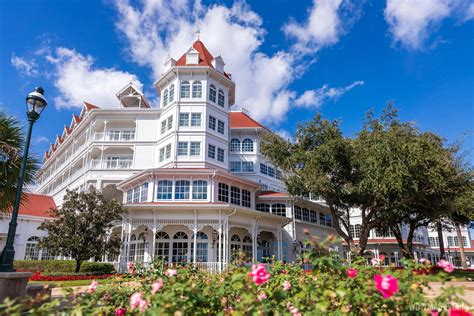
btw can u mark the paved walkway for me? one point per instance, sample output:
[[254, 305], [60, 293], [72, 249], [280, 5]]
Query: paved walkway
[[436, 287]]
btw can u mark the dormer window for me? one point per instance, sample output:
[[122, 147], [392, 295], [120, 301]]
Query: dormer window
[[192, 57], [212, 93], [218, 64], [197, 89], [165, 98], [185, 87]]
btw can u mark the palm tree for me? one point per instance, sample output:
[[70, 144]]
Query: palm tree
[[11, 149]]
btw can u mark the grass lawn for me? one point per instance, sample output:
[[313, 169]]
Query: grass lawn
[[78, 282]]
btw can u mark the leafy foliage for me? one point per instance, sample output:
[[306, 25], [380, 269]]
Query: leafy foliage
[[80, 227]]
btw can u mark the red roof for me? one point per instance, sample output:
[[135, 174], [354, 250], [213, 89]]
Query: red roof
[[273, 194], [37, 205], [90, 106], [242, 120], [76, 118], [205, 57], [53, 148], [60, 139], [68, 129]]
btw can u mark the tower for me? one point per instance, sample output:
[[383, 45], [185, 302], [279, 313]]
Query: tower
[[196, 97]]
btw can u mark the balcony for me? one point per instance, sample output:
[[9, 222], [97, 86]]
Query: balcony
[[116, 136], [111, 163]]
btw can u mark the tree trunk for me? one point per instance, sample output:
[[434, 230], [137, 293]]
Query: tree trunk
[[442, 252], [398, 235], [461, 246], [363, 239], [78, 265], [411, 234]]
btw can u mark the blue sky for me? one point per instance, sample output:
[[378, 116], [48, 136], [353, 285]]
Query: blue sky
[[290, 59]]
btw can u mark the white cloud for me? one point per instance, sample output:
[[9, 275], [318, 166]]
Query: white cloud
[[24, 66], [315, 98], [285, 135], [77, 80], [411, 22], [153, 32], [40, 139]]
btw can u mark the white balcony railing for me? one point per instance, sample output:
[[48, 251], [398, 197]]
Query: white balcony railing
[[115, 136], [111, 164]]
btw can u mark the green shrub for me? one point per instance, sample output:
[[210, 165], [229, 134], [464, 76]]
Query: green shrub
[[66, 266]]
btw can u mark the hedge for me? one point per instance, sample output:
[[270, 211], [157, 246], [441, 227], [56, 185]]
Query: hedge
[[67, 266]]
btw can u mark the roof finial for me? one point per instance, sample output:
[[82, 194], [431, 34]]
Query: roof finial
[[198, 34]]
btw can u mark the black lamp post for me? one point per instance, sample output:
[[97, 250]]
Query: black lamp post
[[35, 104]]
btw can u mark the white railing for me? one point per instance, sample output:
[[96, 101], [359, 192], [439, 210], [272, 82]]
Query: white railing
[[111, 164], [118, 136]]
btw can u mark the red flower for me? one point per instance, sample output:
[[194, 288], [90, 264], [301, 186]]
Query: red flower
[[351, 273], [387, 285], [458, 312], [259, 274]]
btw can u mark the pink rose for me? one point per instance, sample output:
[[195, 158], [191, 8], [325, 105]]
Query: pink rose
[[293, 310], [171, 272], [155, 287], [381, 257], [374, 261], [351, 273], [93, 286], [261, 296], [286, 285], [120, 311], [387, 285], [458, 312], [447, 266], [259, 274], [131, 267], [137, 301], [434, 312]]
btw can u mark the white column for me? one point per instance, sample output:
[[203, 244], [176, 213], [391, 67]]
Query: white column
[[153, 242], [219, 251], [279, 243], [396, 258], [195, 244]]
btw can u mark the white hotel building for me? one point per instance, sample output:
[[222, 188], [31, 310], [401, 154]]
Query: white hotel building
[[189, 172]]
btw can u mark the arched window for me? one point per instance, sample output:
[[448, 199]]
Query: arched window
[[162, 246], [185, 87], [165, 97], [199, 190], [212, 93], [131, 250], [171, 95], [140, 248], [182, 190], [247, 247], [32, 248], [234, 145], [235, 246], [221, 98], [263, 207], [247, 145], [197, 89], [180, 247], [201, 247], [164, 190], [279, 209]]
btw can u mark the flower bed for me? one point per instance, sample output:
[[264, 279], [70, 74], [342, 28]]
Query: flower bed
[[38, 277]]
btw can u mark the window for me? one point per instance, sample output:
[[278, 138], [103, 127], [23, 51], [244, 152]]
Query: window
[[247, 145], [164, 190], [263, 207], [357, 229], [129, 196], [197, 89], [162, 154], [182, 190], [298, 213], [235, 166], [328, 220], [221, 98], [211, 151], [171, 96], [185, 89], [183, 119], [322, 219], [32, 249], [180, 247], [434, 241], [165, 98], [170, 122], [136, 194], [131, 250], [212, 122], [464, 241], [163, 126], [247, 166], [168, 151], [45, 255], [263, 169], [199, 190], [220, 127], [195, 149], [223, 193], [246, 198], [201, 247], [212, 93], [182, 148], [271, 172], [234, 145], [220, 154], [140, 247], [162, 246], [195, 119], [278, 174], [234, 246], [144, 193], [279, 209], [313, 216], [452, 241], [305, 214], [235, 195]]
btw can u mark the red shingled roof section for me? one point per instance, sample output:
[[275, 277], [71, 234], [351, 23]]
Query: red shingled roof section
[[205, 57], [242, 120], [53, 148], [60, 139], [37, 205], [68, 129], [90, 106], [77, 119], [273, 194]]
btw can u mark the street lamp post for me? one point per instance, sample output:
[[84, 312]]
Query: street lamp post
[[35, 104]]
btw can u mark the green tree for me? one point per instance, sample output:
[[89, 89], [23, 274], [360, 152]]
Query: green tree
[[11, 149], [80, 228]]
